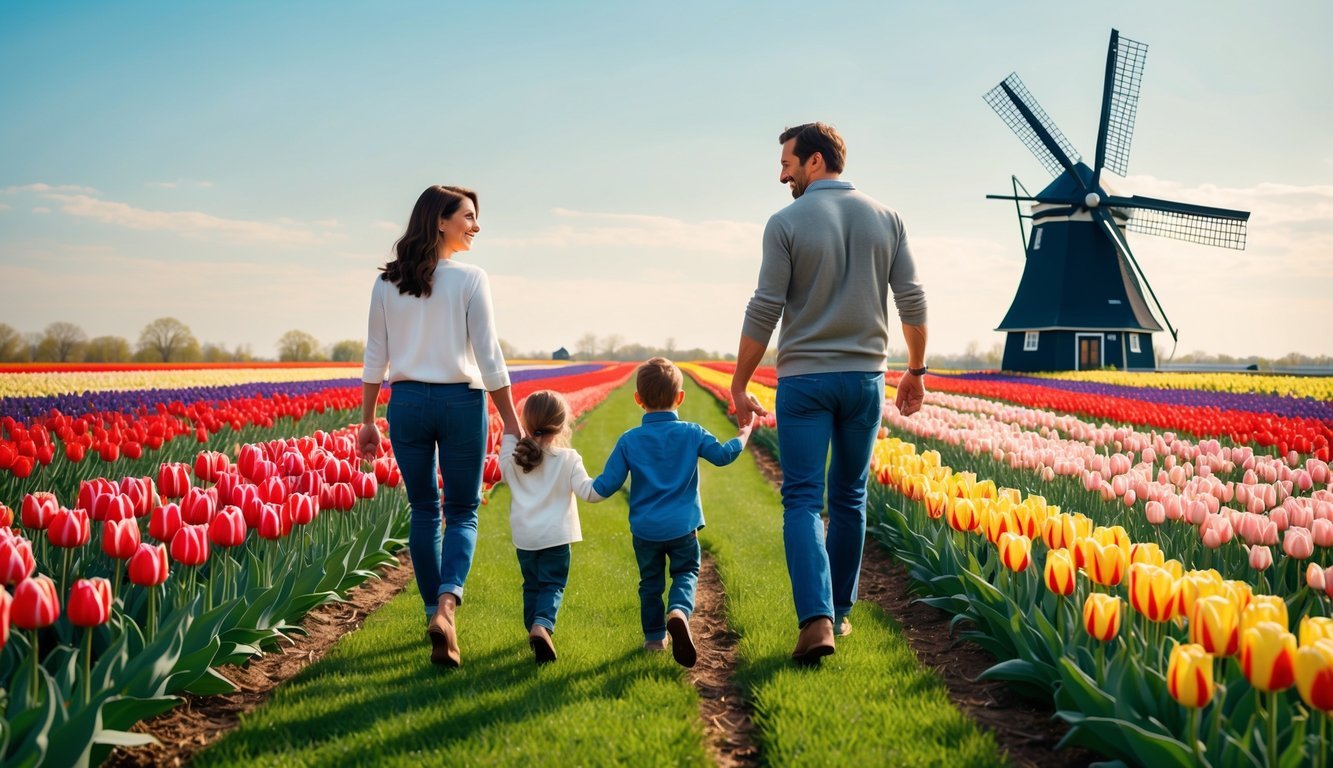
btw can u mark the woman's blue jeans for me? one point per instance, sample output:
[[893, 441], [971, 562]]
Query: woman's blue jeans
[[826, 419], [448, 421], [681, 558], [545, 574]]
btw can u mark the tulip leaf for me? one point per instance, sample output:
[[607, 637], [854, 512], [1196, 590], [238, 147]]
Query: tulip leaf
[[1082, 691], [211, 683], [1148, 748], [1020, 671], [30, 728]]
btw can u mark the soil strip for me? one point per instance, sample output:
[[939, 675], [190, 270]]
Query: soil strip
[[726, 714]]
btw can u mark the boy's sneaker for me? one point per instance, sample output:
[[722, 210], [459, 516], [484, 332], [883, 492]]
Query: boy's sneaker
[[657, 645], [543, 650], [682, 644]]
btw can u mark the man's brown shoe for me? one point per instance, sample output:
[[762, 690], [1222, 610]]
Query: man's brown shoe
[[682, 643], [543, 650], [815, 642]]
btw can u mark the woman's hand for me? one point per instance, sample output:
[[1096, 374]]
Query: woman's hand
[[368, 442]]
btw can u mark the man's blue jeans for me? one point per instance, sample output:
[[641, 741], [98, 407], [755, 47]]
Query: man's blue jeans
[[817, 413], [545, 573], [683, 554], [448, 421]]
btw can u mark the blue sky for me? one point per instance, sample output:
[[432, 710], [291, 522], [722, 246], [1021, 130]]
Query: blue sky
[[245, 166]]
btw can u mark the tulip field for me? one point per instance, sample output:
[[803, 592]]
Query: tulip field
[[1145, 553], [156, 524]]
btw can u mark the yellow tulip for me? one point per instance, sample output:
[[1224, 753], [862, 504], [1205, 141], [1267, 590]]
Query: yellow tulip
[[1215, 625], [1105, 563], [1268, 656], [1314, 674], [1197, 584], [1189, 676], [1060, 574], [998, 520], [1101, 616], [1146, 552], [1015, 551], [962, 514], [1264, 608], [936, 503], [1152, 592], [1315, 628], [1059, 531]]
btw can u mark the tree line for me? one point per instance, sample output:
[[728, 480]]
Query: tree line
[[164, 340]]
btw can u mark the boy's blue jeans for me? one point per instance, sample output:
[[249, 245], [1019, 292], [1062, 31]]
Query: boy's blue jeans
[[448, 421], [545, 573], [653, 556], [816, 413]]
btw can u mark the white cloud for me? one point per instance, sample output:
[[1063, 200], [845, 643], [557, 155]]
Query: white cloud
[[179, 184], [621, 230], [71, 189], [41, 209], [328, 223], [387, 226], [4, 206], [189, 223]]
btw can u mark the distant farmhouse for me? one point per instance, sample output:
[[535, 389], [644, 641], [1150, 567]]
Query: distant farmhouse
[[560, 354]]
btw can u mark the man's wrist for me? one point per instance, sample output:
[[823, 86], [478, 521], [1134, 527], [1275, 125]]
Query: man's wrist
[[918, 371]]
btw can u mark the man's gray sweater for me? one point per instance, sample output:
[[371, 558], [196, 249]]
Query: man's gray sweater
[[830, 259]]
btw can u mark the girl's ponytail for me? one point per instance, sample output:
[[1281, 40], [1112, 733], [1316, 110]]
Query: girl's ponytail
[[546, 419], [528, 454]]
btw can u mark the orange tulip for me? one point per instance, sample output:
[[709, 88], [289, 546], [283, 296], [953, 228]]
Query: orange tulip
[[1152, 592], [1268, 656], [1060, 574], [1215, 625], [1101, 616], [1314, 674], [1015, 551], [1189, 676]]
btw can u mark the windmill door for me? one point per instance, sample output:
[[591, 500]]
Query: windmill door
[[1090, 351]]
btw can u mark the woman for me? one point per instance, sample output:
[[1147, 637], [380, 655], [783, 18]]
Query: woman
[[431, 328]]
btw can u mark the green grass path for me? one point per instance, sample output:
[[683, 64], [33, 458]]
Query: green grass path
[[376, 699]]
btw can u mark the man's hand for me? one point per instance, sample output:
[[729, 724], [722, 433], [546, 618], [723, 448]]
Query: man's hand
[[368, 442], [910, 394], [747, 407]]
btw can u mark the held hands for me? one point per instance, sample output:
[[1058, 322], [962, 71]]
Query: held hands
[[368, 441], [747, 407], [911, 392], [744, 432]]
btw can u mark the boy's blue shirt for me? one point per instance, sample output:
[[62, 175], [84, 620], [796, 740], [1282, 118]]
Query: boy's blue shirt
[[663, 455]]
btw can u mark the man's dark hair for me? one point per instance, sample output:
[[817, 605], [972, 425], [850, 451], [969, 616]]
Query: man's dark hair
[[817, 137]]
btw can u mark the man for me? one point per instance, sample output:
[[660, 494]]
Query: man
[[830, 259]]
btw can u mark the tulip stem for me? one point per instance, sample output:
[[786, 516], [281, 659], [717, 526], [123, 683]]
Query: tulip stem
[[152, 613], [87, 664], [1272, 728], [33, 687], [1194, 736]]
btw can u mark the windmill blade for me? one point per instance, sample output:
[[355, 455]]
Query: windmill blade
[[1117, 238], [1016, 107], [1222, 227], [1120, 104]]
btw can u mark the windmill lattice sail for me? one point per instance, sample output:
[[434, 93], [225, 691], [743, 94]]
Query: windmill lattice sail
[[1002, 100]]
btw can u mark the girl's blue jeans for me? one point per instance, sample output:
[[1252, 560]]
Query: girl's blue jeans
[[445, 422], [545, 573], [826, 419]]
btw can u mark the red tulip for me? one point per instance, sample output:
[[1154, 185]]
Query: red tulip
[[36, 603], [338, 471], [490, 473], [311, 482], [301, 508], [165, 521], [69, 528], [88, 489], [342, 497], [173, 479], [273, 524], [5, 602], [38, 509], [228, 528], [16, 560], [210, 465], [6, 517], [142, 494], [148, 567], [364, 485], [120, 538], [89, 602], [249, 455], [227, 483], [198, 507], [291, 464], [190, 545], [110, 506], [273, 490]]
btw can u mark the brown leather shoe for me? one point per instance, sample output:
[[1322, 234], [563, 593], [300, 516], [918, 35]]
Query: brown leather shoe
[[444, 635], [815, 642], [543, 650], [682, 643]]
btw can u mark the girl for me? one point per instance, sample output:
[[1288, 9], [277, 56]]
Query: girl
[[544, 475], [432, 330]]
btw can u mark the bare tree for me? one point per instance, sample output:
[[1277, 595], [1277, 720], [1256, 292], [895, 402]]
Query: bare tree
[[587, 346], [610, 344], [61, 343], [509, 351], [297, 346], [347, 351], [167, 339], [12, 347], [108, 349]]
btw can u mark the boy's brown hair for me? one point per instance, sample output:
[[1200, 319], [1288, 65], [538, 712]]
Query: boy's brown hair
[[658, 383]]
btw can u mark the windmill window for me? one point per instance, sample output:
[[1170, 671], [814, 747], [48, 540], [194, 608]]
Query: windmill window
[[1134, 343], [1110, 337], [1036, 241], [1113, 301], [1030, 341]]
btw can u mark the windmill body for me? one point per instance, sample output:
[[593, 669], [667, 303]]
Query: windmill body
[[1081, 301]]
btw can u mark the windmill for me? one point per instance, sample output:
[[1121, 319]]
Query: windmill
[[1080, 303]]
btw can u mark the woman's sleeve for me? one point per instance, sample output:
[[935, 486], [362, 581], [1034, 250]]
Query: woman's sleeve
[[483, 337], [376, 361]]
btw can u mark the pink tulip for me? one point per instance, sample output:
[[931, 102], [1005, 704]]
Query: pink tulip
[[1314, 577], [1298, 543], [1155, 512], [1260, 557], [1322, 532], [1196, 512]]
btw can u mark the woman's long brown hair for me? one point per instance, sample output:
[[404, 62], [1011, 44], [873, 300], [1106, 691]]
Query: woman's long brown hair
[[416, 251]]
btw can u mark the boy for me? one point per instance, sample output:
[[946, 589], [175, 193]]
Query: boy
[[664, 509]]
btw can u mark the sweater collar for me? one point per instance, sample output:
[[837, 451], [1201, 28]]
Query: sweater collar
[[656, 416]]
